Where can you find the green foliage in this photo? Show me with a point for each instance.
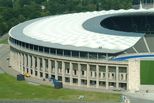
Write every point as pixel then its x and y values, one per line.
pixel 6 3
pixel 147 72
pixel 116 4
pixel 13 12
pixel 12 89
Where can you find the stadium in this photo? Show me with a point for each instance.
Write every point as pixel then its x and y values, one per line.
pixel 89 49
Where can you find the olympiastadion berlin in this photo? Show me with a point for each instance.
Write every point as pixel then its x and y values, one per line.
pixel 100 49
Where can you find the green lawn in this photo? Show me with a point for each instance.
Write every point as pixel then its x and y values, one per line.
pixel 12 89
pixel 3 41
pixel 147 72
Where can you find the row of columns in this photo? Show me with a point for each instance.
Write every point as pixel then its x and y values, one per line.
pixel 23 60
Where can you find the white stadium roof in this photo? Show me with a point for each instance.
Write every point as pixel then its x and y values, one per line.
pixel 78 31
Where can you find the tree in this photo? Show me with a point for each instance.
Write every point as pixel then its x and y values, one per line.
pixel 13 12
pixel 6 3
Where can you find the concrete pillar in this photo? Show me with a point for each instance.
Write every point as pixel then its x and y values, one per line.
pixel 25 62
pixel 107 71
pixel 14 60
pixel 79 74
pixel 29 63
pixel 93 74
pixel 71 74
pixel 97 76
pixel 88 75
pixel 43 67
pixel 49 68
pixel 63 72
pixel 124 76
pixel 17 62
pixel 56 70
pixel 33 66
pixel 21 63
pixel 38 67
pixel 117 77
pixel 101 74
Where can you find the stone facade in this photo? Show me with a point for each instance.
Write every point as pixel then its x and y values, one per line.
pixel 88 73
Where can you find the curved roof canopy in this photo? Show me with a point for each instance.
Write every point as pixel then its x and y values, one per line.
pixel 78 31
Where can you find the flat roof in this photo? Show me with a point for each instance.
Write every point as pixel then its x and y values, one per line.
pixel 78 31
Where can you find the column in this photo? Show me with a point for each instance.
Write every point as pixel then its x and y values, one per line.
pixel 38 67
pixel 107 82
pixel 21 63
pixel 18 62
pixel 117 77
pixel 33 65
pixel 124 76
pixel 28 64
pixel 49 68
pixel 25 63
pixel 88 75
pixel 43 67
pixel 15 60
pixel 63 72
pixel 97 76
pixel 71 74
pixel 56 70
pixel 79 74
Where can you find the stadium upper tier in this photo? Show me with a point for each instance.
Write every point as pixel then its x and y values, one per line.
pixel 90 31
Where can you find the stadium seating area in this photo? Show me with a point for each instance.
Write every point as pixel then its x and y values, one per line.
pixel 150 42
pixel 135 23
pixel 141 47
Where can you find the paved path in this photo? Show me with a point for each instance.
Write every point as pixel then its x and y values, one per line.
pixel 4 53
pixel 141 97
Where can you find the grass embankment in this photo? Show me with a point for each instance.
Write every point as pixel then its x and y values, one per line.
pixel 12 89
pixel 3 41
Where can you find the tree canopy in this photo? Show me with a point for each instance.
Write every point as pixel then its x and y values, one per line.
pixel 13 12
